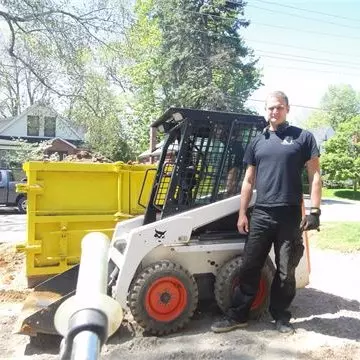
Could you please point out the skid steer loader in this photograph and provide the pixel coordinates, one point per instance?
(186, 246)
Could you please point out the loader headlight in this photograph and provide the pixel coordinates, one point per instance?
(177, 117)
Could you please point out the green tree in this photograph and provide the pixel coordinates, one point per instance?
(26, 151)
(60, 45)
(143, 75)
(98, 109)
(341, 160)
(317, 119)
(339, 104)
(19, 88)
(188, 53)
(58, 32)
(207, 64)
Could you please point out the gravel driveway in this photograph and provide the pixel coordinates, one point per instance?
(326, 316)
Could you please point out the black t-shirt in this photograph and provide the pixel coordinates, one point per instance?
(279, 158)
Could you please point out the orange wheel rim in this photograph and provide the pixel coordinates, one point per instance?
(166, 299)
(260, 295)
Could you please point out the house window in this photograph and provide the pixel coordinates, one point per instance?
(33, 125)
(50, 126)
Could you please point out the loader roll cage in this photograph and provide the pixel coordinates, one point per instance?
(202, 159)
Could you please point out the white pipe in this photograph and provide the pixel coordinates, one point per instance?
(91, 293)
(93, 271)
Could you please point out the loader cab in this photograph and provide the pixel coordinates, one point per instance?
(201, 160)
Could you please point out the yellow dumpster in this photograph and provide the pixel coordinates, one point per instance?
(66, 200)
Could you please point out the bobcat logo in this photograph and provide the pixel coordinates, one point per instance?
(287, 141)
(159, 234)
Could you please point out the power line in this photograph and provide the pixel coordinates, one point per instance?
(304, 17)
(314, 70)
(303, 48)
(232, 97)
(278, 26)
(307, 31)
(317, 61)
(306, 10)
(306, 61)
(324, 62)
(272, 26)
(282, 5)
(275, 26)
(290, 46)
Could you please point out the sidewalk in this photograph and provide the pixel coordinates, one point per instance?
(337, 210)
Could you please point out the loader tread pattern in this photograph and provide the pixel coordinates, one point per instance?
(137, 297)
(224, 280)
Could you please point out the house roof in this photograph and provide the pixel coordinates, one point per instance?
(4, 124)
(64, 141)
(322, 134)
(38, 139)
(17, 117)
(8, 144)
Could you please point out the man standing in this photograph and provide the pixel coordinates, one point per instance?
(275, 160)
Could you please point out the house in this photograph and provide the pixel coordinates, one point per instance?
(321, 135)
(37, 123)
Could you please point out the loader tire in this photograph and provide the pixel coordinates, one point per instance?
(228, 277)
(163, 298)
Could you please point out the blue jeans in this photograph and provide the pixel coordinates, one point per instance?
(279, 226)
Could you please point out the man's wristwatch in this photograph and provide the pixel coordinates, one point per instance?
(315, 211)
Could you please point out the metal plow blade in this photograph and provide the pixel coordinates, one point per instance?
(37, 315)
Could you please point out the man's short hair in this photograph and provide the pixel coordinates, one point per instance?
(278, 94)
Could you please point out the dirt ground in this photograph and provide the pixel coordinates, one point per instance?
(326, 318)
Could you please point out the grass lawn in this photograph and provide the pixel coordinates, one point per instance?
(341, 194)
(343, 236)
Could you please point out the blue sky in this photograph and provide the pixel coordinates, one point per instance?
(302, 52)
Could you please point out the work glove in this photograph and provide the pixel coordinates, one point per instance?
(310, 222)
